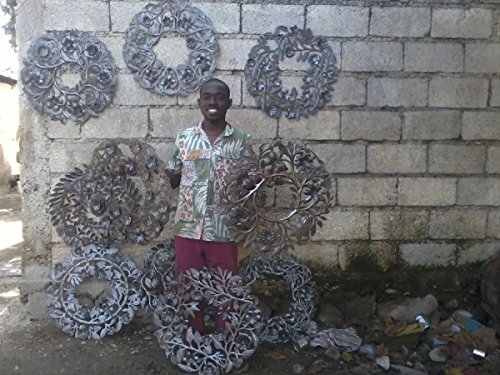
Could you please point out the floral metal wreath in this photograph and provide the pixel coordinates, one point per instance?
(122, 196)
(282, 328)
(215, 353)
(60, 52)
(146, 30)
(103, 314)
(277, 198)
(262, 72)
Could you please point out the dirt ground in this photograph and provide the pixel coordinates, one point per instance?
(38, 347)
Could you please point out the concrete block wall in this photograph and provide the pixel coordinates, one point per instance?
(411, 135)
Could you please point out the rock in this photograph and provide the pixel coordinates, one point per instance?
(439, 354)
(452, 304)
(384, 362)
(409, 309)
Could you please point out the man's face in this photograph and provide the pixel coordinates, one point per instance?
(214, 101)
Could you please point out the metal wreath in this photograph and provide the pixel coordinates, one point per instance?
(146, 30)
(262, 72)
(60, 52)
(259, 182)
(215, 353)
(105, 314)
(122, 196)
(294, 323)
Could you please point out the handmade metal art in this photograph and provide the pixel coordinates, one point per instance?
(122, 196)
(87, 316)
(157, 21)
(61, 53)
(215, 353)
(293, 324)
(278, 198)
(262, 72)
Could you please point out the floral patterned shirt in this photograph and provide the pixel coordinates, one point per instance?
(204, 167)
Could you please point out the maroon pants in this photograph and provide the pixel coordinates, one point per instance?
(196, 254)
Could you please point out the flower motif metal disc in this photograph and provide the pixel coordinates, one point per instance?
(60, 54)
(263, 75)
(157, 21)
(87, 316)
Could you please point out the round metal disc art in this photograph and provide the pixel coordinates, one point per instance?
(282, 328)
(277, 198)
(262, 72)
(61, 54)
(157, 21)
(122, 196)
(215, 353)
(94, 313)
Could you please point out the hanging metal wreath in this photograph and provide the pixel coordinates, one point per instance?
(157, 21)
(277, 198)
(215, 353)
(85, 315)
(262, 72)
(122, 196)
(294, 323)
(58, 53)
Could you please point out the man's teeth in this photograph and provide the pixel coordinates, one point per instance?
(212, 110)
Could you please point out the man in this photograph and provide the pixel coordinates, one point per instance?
(202, 158)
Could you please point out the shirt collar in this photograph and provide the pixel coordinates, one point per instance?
(228, 130)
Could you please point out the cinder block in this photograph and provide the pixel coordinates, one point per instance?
(83, 15)
(398, 224)
(55, 130)
(461, 23)
(320, 253)
(434, 57)
(129, 92)
(349, 91)
(428, 254)
(122, 13)
(400, 21)
(372, 56)
(367, 191)
(458, 92)
(324, 125)
(264, 18)
(397, 92)
(458, 224)
(234, 53)
(400, 158)
(495, 93)
(474, 252)
(338, 21)
(225, 17)
(493, 160)
(64, 156)
(383, 254)
(493, 230)
(432, 125)
(342, 158)
(344, 225)
(256, 122)
(456, 159)
(370, 125)
(427, 191)
(118, 122)
(479, 191)
(115, 46)
(167, 122)
(482, 57)
(481, 125)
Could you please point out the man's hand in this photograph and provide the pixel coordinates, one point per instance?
(174, 177)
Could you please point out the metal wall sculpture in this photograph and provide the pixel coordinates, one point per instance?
(103, 314)
(157, 21)
(58, 53)
(122, 196)
(264, 82)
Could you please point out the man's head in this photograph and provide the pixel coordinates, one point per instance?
(214, 101)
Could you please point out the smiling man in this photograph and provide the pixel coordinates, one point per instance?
(202, 158)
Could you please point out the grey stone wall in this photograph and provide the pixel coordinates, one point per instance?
(411, 136)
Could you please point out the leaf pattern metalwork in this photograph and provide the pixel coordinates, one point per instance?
(262, 72)
(101, 315)
(122, 196)
(57, 53)
(159, 20)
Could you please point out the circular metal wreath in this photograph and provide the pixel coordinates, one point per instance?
(262, 72)
(215, 353)
(146, 30)
(102, 315)
(277, 198)
(72, 52)
(294, 323)
(122, 196)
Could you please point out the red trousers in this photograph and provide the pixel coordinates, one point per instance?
(197, 254)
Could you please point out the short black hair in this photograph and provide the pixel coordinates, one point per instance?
(218, 81)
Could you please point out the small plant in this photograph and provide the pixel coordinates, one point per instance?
(9, 8)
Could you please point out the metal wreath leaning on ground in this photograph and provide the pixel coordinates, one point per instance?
(58, 53)
(157, 21)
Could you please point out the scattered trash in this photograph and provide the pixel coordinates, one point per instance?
(300, 343)
(384, 362)
(479, 353)
(346, 339)
(439, 354)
